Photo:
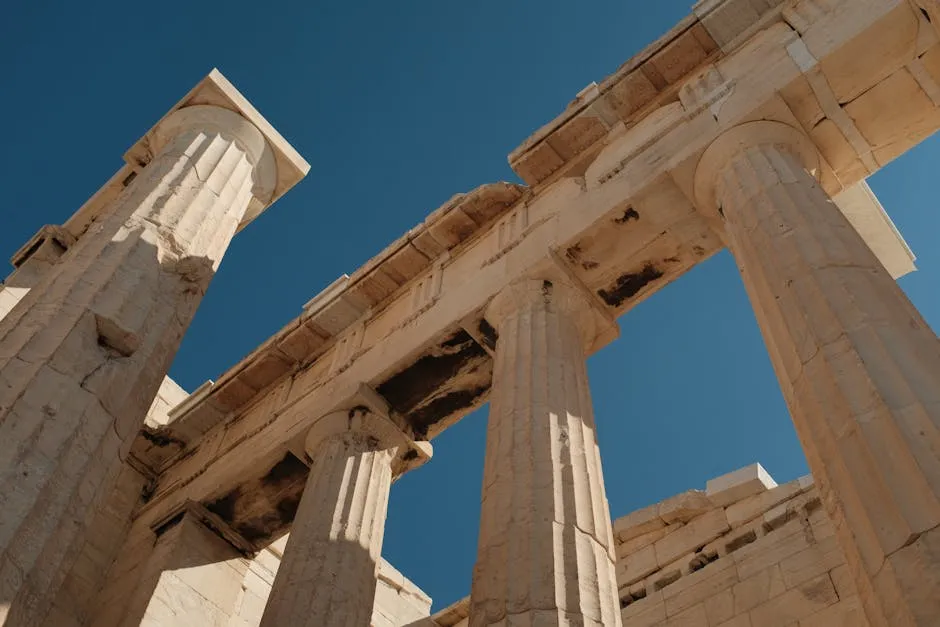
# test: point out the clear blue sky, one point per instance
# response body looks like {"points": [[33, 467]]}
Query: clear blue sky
{"points": [[397, 106]]}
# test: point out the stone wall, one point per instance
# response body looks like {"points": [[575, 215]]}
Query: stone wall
{"points": [[743, 553]]}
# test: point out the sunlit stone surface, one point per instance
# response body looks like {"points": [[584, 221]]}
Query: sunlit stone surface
{"points": [[112, 475]]}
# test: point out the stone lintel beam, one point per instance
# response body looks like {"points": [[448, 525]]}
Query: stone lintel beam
{"points": [[212, 522]]}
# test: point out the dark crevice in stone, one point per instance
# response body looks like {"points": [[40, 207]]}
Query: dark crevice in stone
{"points": [[629, 214], [262, 508], [160, 437], [628, 285], [446, 379], [447, 405], [488, 334]]}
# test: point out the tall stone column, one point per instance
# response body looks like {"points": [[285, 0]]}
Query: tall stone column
{"points": [[859, 367], [546, 552], [83, 355], [327, 576]]}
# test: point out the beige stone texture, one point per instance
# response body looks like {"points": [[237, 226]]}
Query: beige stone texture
{"points": [[116, 596], [796, 604], [662, 517], [192, 577], [748, 481], [684, 507], [785, 567], [328, 574], [699, 587], [83, 354], [92, 347], [610, 203], [859, 366], [696, 534], [546, 550], [74, 604], [31, 263], [612, 207], [455, 615], [752, 507], [168, 397], [639, 542], [846, 613], [398, 601]]}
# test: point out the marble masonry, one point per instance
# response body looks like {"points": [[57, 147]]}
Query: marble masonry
{"points": [[260, 498]]}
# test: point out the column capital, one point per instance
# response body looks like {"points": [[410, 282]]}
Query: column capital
{"points": [[228, 123], [372, 430], [553, 293], [736, 140]]}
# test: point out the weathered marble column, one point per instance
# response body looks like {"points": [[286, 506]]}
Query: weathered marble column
{"points": [[546, 553], [328, 574], [859, 366], [83, 355]]}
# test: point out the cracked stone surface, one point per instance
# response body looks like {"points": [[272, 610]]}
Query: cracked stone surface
{"points": [[83, 356], [545, 553], [859, 368], [327, 577]]}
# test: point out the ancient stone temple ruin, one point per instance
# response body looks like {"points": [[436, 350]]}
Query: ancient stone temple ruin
{"points": [[260, 498]]}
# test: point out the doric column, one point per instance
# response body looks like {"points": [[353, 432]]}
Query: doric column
{"points": [[83, 355], [545, 553], [327, 576], [859, 367]]}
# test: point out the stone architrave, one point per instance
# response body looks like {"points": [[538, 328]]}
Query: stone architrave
{"points": [[546, 553], [327, 577], [858, 365], [83, 355]]}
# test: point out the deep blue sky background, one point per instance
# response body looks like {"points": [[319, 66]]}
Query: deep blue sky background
{"points": [[397, 106]]}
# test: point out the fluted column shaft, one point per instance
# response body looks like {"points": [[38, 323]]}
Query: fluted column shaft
{"points": [[83, 355], [859, 368], [545, 553], [328, 574]]}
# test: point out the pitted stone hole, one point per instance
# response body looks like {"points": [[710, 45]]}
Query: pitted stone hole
{"points": [[702, 560], [129, 179], [629, 214], [925, 13], [667, 580], [740, 541], [632, 597]]}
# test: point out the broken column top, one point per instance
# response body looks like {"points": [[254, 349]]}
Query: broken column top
{"points": [[215, 90]]}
